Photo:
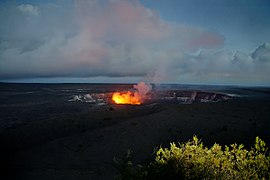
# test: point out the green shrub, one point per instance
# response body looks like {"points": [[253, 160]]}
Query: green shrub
{"points": [[192, 160]]}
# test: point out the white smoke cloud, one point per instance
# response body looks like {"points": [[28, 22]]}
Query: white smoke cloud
{"points": [[262, 53], [142, 89], [29, 9], [116, 39], [226, 67]]}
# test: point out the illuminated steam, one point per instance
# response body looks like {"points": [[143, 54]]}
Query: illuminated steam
{"points": [[137, 97]]}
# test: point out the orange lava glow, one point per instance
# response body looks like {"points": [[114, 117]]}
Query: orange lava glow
{"points": [[126, 98]]}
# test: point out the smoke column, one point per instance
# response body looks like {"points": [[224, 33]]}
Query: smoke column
{"points": [[142, 89]]}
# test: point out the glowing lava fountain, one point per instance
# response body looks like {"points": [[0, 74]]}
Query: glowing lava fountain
{"points": [[135, 98], [126, 98]]}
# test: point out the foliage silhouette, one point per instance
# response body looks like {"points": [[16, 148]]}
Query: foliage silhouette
{"points": [[192, 160]]}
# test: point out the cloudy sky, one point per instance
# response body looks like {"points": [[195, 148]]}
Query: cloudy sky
{"points": [[176, 41]]}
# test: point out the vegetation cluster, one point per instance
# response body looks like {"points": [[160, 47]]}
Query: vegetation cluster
{"points": [[193, 160]]}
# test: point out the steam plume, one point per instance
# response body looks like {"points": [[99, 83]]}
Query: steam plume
{"points": [[142, 90]]}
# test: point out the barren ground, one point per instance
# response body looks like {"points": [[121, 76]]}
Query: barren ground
{"points": [[44, 137]]}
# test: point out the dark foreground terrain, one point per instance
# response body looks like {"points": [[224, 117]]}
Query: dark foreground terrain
{"points": [[49, 131]]}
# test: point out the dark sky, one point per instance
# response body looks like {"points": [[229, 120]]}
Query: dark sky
{"points": [[176, 41]]}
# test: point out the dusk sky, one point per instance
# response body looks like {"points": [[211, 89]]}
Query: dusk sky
{"points": [[159, 41]]}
